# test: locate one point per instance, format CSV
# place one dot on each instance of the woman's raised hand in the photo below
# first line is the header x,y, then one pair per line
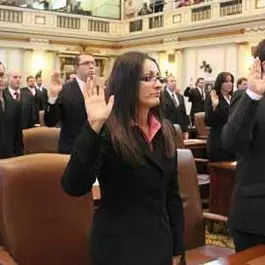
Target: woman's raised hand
x,y
97,109
214,98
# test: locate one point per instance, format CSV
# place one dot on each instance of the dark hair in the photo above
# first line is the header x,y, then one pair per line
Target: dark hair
x,y
198,80
76,59
240,81
30,77
222,78
123,83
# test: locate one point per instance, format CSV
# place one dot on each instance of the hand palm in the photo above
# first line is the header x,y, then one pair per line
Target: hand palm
x,y
255,81
96,107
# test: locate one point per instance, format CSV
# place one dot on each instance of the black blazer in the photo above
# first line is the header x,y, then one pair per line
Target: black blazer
x,y
44,95
27,108
237,95
216,119
11,140
244,135
38,102
177,115
196,99
70,111
140,218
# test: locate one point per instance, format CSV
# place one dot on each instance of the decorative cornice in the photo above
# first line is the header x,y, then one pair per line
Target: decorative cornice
x,y
255,29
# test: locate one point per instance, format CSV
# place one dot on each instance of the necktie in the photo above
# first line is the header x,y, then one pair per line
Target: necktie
x,y
174,100
16,95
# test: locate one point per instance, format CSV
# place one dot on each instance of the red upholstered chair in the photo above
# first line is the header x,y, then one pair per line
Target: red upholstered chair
x,y
41,140
198,252
40,223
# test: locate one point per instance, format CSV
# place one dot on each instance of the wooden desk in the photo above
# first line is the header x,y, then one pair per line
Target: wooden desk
x,y
222,179
197,146
253,256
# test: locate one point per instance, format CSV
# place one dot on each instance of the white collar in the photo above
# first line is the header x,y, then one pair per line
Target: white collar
x,y
170,92
13,91
81,83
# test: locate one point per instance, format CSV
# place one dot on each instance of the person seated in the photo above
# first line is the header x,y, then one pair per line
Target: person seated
x,y
145,10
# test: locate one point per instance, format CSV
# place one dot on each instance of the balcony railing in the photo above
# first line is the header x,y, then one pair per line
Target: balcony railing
x,y
215,11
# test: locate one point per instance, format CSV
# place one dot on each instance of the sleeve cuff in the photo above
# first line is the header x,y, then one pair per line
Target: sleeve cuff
x,y
253,95
52,100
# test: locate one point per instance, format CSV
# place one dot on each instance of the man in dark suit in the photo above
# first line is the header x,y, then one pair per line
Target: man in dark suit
x,y
37,97
66,105
196,96
11,141
244,135
173,105
42,89
25,99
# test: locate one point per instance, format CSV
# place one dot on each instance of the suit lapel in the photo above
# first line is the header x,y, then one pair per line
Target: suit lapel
x,y
77,98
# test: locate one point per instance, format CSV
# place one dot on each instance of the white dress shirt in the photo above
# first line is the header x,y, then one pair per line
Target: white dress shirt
x,y
13,92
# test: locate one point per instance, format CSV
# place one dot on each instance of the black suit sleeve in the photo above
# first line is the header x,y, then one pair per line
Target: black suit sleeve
x,y
53,112
176,215
185,117
19,146
187,91
79,174
237,133
235,101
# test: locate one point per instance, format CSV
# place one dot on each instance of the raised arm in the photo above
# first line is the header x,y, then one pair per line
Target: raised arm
x,y
237,133
79,174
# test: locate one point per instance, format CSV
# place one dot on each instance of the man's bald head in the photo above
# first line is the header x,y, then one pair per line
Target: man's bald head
x,y
14,80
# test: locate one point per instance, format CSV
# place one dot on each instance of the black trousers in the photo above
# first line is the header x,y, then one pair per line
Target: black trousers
x,y
243,240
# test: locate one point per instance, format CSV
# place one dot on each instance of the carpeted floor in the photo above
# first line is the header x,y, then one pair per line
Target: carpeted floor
x,y
219,236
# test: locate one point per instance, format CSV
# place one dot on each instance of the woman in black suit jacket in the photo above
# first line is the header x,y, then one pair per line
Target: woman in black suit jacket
x,y
130,148
216,115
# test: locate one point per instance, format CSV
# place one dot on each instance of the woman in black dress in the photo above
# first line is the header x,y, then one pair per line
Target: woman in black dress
x,y
217,106
130,148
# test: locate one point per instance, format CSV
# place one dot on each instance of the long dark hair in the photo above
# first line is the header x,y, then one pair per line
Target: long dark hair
x,y
124,85
222,78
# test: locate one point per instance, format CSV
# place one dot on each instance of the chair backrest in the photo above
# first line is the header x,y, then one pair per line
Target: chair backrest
x,y
189,190
199,120
42,224
179,135
41,140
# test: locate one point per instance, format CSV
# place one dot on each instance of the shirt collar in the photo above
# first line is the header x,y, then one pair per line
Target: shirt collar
x,y
81,83
170,92
13,91
155,126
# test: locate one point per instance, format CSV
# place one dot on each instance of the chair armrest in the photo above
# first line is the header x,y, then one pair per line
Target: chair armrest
x,y
5,258
201,160
214,217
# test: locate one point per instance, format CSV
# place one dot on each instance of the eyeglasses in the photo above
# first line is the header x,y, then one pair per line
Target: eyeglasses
x,y
86,63
151,78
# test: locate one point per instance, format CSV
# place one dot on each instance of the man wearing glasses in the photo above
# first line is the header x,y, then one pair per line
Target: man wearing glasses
x,y
11,141
66,103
